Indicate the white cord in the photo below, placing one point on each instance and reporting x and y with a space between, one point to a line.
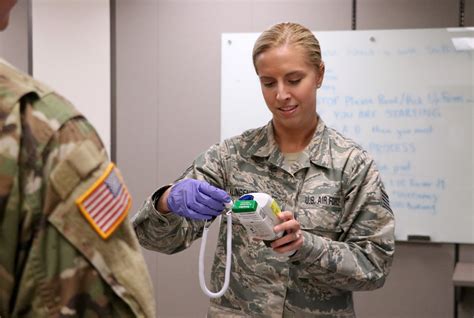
228 263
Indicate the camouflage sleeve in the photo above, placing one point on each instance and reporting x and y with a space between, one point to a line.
361 258
91 274
165 233
169 233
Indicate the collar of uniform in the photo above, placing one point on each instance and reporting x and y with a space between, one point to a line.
263 143
15 84
318 150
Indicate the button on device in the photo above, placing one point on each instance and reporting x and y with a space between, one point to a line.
246 197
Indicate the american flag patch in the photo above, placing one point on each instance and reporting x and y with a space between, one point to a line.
106 203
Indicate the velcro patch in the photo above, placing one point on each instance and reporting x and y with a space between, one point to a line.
106 203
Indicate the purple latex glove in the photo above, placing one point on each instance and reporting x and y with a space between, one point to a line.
197 199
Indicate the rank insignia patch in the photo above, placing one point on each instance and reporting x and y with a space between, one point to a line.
106 203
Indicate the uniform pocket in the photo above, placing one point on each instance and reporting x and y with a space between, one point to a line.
320 211
320 221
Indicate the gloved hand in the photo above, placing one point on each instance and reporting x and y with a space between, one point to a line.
197 199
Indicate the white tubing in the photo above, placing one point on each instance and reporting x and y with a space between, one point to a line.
228 263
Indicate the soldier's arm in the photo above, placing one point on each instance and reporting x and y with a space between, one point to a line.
100 259
159 229
361 259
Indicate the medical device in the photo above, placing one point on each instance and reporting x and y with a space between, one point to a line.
258 213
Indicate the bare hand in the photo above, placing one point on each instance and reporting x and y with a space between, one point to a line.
292 240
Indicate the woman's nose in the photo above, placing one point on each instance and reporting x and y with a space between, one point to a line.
282 92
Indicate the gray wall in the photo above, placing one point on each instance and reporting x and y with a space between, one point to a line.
168 90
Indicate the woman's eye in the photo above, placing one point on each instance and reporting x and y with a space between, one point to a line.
268 84
294 81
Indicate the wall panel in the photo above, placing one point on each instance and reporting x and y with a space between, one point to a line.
136 73
406 14
419 285
71 54
469 13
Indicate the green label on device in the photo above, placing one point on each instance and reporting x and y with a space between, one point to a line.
244 206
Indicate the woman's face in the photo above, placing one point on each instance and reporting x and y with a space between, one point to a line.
5 7
289 84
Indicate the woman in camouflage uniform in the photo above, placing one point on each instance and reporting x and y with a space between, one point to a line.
337 215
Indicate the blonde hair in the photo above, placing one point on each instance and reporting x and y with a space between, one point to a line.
288 33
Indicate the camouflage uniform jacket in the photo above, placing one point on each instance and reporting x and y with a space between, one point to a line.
52 261
337 195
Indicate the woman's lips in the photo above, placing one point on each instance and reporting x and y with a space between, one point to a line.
288 110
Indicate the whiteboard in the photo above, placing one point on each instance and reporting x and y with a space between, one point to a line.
406 96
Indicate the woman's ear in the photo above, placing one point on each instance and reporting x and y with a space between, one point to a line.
320 72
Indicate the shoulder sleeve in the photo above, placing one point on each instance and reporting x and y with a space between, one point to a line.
211 166
87 203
